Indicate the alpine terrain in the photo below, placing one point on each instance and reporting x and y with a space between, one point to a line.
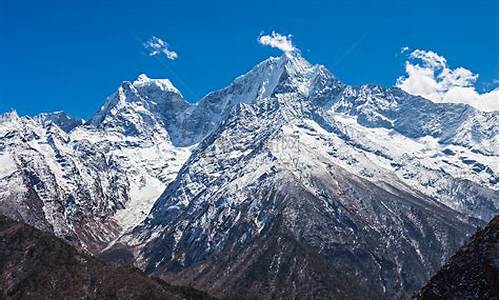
286 184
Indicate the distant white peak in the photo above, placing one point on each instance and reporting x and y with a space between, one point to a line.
59 118
141 90
267 75
273 67
10 115
295 62
142 77
302 74
50 115
164 84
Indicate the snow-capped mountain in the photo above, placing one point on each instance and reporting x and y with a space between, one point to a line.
91 183
306 177
269 187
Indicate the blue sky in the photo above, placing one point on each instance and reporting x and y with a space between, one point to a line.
69 55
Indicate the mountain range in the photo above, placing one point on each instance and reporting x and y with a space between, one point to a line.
268 188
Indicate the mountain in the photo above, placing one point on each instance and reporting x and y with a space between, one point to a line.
269 187
59 118
306 178
37 265
93 182
472 273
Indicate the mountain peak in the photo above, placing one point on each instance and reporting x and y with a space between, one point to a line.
59 118
270 73
164 85
142 77
10 115
146 92
290 62
300 75
295 59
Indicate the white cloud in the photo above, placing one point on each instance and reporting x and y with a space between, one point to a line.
428 75
157 46
276 40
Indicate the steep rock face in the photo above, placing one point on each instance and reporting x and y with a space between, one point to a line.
291 182
471 273
37 265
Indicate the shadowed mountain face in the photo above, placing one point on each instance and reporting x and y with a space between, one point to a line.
37 265
472 273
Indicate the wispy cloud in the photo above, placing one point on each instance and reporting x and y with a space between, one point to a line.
157 46
276 40
428 75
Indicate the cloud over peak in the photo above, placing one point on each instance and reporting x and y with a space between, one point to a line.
428 75
276 40
157 46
